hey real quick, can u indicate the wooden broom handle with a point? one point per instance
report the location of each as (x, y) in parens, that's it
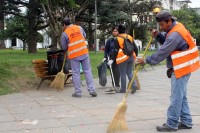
(65, 56)
(136, 70)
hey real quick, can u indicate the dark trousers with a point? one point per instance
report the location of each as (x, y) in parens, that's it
(126, 68)
(116, 74)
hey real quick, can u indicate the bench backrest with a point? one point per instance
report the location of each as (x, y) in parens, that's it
(40, 67)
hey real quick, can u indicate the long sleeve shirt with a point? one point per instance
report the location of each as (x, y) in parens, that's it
(65, 42)
(172, 43)
(109, 47)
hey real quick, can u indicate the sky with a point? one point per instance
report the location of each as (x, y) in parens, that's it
(195, 3)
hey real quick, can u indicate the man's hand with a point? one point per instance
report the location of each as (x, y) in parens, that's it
(110, 62)
(154, 33)
(140, 61)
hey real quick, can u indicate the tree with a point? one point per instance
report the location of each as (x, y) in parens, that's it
(56, 11)
(2, 45)
(34, 16)
(190, 19)
(17, 27)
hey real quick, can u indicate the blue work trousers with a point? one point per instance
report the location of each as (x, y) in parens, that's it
(86, 67)
(179, 109)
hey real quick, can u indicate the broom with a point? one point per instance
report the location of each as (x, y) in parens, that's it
(58, 82)
(137, 79)
(118, 123)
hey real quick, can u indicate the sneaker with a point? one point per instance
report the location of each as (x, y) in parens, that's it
(76, 95)
(110, 91)
(93, 94)
(165, 128)
(182, 126)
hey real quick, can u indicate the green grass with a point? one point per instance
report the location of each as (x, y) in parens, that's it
(16, 69)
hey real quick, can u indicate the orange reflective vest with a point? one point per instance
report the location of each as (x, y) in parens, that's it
(184, 62)
(77, 45)
(121, 57)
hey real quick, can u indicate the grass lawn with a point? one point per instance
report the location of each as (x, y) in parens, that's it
(16, 69)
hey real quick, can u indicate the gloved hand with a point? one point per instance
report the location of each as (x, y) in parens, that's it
(110, 62)
(104, 59)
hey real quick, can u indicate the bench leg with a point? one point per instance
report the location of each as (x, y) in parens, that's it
(67, 77)
(41, 81)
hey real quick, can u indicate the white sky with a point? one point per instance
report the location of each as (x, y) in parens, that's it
(195, 3)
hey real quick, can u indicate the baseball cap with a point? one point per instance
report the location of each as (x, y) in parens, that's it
(164, 15)
(66, 21)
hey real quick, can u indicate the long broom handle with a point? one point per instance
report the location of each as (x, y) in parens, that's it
(65, 56)
(136, 70)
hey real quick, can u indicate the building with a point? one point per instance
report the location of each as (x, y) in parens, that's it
(18, 44)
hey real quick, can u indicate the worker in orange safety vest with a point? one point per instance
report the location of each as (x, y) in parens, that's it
(73, 41)
(124, 62)
(182, 58)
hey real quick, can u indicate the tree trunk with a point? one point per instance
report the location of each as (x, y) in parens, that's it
(24, 45)
(2, 45)
(32, 33)
(54, 41)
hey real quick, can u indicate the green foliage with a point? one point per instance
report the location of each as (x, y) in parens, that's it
(190, 19)
(142, 33)
(16, 27)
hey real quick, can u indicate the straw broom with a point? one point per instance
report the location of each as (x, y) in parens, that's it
(58, 82)
(118, 123)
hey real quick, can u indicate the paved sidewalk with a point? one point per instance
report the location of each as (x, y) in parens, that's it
(49, 111)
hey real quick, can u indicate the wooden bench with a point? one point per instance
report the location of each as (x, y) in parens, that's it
(41, 70)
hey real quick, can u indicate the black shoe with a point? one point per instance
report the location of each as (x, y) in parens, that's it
(121, 91)
(133, 90)
(165, 128)
(182, 126)
(93, 94)
(76, 95)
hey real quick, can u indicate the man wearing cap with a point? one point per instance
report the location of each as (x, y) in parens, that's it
(73, 41)
(182, 58)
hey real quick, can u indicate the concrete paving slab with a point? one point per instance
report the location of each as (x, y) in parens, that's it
(10, 126)
(59, 112)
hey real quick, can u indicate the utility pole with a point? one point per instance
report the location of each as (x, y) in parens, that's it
(95, 38)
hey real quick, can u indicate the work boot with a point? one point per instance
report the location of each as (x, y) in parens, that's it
(93, 94)
(76, 95)
(165, 128)
(182, 126)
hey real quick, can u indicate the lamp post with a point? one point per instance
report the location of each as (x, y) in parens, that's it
(156, 9)
(95, 38)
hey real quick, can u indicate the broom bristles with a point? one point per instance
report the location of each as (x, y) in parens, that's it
(58, 82)
(118, 123)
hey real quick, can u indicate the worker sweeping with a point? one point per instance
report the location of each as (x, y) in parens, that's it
(118, 123)
(73, 41)
(182, 58)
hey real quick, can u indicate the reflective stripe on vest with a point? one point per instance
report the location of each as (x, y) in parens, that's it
(74, 43)
(77, 44)
(122, 58)
(174, 56)
(184, 62)
(77, 50)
